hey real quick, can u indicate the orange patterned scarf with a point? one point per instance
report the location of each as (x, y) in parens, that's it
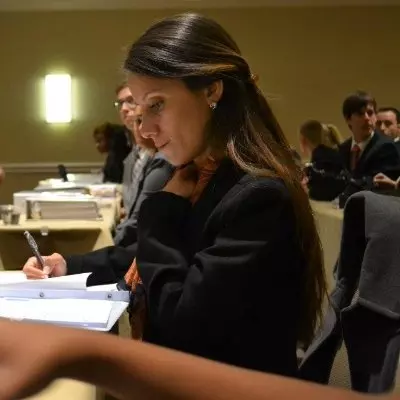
(132, 278)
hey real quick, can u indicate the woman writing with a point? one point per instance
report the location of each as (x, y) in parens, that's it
(228, 262)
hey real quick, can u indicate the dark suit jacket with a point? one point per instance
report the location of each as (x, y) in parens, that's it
(324, 183)
(380, 155)
(222, 278)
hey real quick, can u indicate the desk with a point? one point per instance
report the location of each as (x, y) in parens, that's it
(66, 237)
(329, 223)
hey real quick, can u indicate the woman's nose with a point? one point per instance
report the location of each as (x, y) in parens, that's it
(147, 128)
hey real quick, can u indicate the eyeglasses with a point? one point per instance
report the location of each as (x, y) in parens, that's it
(128, 100)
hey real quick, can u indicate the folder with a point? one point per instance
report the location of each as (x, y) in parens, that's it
(64, 301)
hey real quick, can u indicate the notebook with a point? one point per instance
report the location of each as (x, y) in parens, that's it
(65, 312)
(64, 301)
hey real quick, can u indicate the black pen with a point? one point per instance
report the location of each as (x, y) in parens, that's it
(35, 249)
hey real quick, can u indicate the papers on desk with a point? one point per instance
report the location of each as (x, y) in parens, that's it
(63, 301)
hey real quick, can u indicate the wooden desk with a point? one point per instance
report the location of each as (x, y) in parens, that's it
(63, 236)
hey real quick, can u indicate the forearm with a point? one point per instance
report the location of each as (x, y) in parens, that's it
(131, 370)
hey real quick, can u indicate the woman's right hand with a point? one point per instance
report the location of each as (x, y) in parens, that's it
(55, 265)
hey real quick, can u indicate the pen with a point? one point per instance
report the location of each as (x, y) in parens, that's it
(35, 249)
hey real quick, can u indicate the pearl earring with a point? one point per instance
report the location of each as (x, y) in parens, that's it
(213, 105)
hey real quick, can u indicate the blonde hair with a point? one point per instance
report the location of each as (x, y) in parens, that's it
(318, 134)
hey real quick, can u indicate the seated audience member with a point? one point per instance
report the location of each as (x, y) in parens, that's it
(228, 263)
(388, 123)
(110, 139)
(153, 177)
(367, 152)
(128, 370)
(125, 105)
(319, 143)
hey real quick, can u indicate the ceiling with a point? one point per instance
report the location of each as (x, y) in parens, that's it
(58, 5)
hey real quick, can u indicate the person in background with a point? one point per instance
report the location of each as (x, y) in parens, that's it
(228, 262)
(110, 139)
(136, 160)
(2, 175)
(368, 152)
(319, 143)
(150, 179)
(388, 123)
(128, 370)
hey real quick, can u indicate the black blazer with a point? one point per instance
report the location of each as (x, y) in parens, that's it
(222, 278)
(326, 158)
(380, 155)
(324, 183)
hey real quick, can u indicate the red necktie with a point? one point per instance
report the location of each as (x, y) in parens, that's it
(355, 156)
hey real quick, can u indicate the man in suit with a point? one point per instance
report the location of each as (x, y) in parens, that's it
(367, 152)
(388, 123)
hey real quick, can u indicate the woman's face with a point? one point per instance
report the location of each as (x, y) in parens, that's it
(173, 116)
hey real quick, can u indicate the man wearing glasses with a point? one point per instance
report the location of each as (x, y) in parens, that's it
(136, 162)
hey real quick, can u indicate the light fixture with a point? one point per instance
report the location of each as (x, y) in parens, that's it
(58, 98)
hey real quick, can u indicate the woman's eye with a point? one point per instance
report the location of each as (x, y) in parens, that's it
(156, 107)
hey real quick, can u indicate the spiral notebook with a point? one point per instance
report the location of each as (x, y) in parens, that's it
(68, 312)
(64, 301)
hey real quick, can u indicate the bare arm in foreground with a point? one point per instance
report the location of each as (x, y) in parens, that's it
(133, 370)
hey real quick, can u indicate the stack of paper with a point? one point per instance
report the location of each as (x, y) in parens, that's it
(79, 207)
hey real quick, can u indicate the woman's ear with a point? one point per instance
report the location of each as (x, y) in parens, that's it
(214, 92)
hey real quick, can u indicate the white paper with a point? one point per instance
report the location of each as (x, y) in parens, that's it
(68, 312)
(11, 280)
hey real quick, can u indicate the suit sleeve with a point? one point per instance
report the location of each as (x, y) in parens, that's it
(198, 297)
(108, 265)
(387, 160)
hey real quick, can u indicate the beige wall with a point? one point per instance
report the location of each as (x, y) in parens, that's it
(311, 57)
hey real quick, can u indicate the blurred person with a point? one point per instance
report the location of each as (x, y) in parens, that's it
(388, 123)
(110, 139)
(320, 143)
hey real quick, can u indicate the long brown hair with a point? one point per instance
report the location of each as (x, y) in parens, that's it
(199, 51)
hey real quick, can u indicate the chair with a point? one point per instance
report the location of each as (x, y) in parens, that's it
(359, 343)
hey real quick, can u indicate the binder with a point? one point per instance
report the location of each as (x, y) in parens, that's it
(62, 301)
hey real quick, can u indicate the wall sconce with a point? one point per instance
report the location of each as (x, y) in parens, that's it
(58, 98)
